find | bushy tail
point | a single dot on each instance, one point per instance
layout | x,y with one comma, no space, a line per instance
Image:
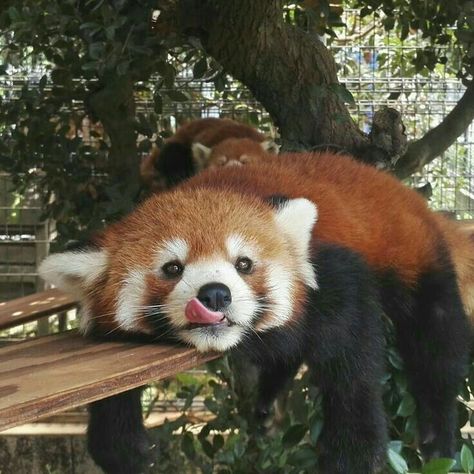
460,240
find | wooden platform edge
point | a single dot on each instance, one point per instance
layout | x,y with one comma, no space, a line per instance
169,364
32,307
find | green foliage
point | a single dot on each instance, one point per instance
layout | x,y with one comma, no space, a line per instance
231,442
444,23
78,48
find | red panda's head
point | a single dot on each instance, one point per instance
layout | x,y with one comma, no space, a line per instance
210,267
233,152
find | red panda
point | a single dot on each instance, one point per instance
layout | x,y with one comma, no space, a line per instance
201,143
460,242
289,261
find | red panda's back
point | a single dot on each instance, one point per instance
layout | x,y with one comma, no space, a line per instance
359,207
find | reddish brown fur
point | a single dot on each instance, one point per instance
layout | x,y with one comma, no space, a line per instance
234,151
207,131
461,245
211,131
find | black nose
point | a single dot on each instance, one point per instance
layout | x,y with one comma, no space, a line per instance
215,296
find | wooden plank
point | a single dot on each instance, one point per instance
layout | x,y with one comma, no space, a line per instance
32,307
46,375
79,427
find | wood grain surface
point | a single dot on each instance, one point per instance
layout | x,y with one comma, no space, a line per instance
46,375
32,307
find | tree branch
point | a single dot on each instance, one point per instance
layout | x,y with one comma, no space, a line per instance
439,138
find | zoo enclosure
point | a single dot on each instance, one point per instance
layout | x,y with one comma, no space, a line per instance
374,65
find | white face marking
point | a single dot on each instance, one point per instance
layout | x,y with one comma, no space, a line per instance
270,146
237,246
85,317
175,249
280,286
296,220
130,300
241,311
73,271
201,155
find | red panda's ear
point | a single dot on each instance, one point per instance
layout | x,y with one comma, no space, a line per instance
295,218
201,155
270,146
75,270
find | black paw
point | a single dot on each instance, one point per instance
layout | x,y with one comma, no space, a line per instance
130,456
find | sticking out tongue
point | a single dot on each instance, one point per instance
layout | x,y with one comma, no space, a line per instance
197,313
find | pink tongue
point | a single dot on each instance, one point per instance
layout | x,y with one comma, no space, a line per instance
196,312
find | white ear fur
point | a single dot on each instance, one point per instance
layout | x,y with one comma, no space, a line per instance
73,271
270,146
201,155
296,219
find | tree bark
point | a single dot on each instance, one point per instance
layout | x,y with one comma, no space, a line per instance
114,105
289,71
293,75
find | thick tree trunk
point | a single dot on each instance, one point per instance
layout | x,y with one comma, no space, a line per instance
289,71
114,106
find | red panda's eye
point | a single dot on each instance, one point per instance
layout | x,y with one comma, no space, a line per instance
172,269
244,265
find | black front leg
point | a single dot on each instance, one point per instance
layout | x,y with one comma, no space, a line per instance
345,353
116,437
273,379
354,436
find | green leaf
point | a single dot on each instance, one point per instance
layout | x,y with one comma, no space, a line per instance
315,430
396,445
343,93
13,14
467,459
294,435
96,50
438,466
397,462
211,405
207,447
187,445
42,82
218,442
407,406
200,68
303,458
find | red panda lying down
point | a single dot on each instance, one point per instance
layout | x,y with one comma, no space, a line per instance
204,143
290,261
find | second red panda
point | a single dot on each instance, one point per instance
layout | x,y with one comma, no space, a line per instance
203,143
